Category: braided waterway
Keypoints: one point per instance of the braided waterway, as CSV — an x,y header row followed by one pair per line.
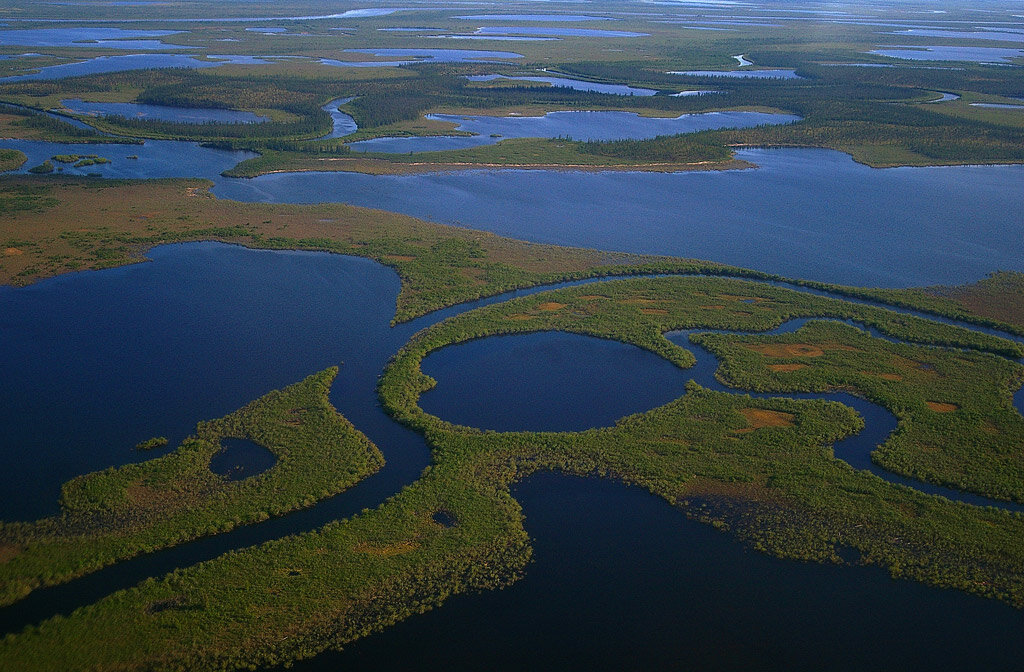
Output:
x,y
98,361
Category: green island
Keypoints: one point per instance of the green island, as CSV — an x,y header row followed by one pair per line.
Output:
x,y
121,512
762,470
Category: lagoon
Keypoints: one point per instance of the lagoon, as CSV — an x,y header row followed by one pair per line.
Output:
x,y
597,125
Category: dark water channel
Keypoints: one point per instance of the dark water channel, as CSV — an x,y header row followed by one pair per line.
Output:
x,y
95,362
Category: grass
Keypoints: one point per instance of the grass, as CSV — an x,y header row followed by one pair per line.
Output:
x,y
11,159
957,426
121,512
1000,297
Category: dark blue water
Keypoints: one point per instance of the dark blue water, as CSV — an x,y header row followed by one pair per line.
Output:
x,y
577,84
189,115
109,38
239,459
803,213
602,125
621,581
547,381
970,54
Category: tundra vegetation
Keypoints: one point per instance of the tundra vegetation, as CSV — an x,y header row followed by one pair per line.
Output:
x,y
760,469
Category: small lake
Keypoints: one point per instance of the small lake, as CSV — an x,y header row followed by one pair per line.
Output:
x,y
107,38
779,73
239,459
999,106
970,54
601,125
547,381
577,84
188,115
996,35
420,55
153,158
102,64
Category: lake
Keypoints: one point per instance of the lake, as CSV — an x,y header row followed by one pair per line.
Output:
x,y
804,213
600,125
188,115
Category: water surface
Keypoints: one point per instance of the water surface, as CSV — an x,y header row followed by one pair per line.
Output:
x,y
109,38
188,115
780,73
577,84
597,125
970,54
803,213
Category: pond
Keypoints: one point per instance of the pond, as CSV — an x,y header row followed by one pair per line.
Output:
x,y
601,125
188,115
970,54
577,84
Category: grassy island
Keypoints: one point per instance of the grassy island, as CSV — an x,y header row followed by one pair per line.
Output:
x,y
121,512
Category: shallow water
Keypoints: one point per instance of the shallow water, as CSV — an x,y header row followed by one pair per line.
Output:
x,y
601,125
102,64
239,459
109,38
971,54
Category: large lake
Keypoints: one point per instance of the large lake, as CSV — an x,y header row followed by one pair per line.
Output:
x,y
802,213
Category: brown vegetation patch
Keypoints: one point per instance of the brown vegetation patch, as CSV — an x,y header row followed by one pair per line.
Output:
x,y
989,427
8,552
385,550
785,368
654,311
591,297
762,417
941,406
13,252
787,350
520,316
552,306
